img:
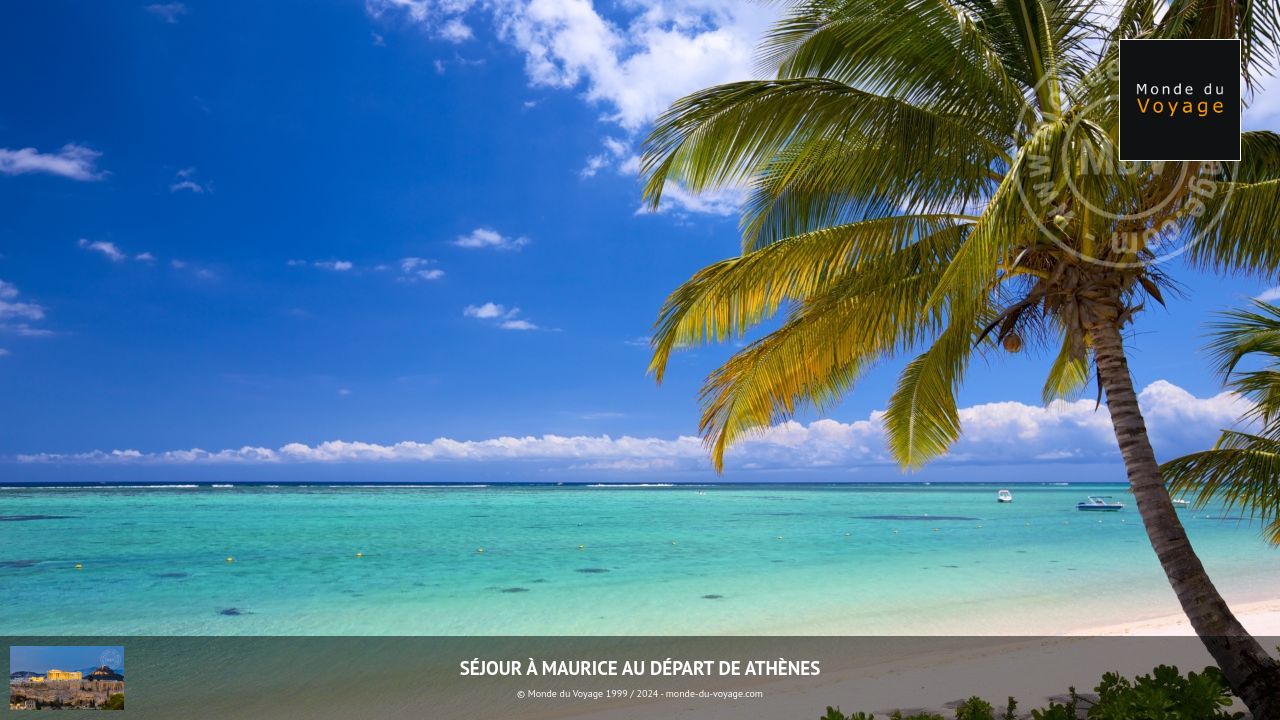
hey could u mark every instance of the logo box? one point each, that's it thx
(1179, 100)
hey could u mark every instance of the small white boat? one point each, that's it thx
(1181, 503)
(1099, 503)
(1004, 496)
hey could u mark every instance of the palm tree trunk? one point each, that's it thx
(1253, 674)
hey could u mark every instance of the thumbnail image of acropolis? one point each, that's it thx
(55, 677)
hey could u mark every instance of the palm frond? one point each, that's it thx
(928, 52)
(727, 298)
(1240, 332)
(1242, 471)
(1259, 157)
(1238, 229)
(1255, 22)
(922, 420)
(1069, 373)
(726, 135)
(819, 184)
(826, 344)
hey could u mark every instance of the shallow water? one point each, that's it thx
(940, 559)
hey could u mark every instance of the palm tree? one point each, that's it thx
(1243, 468)
(939, 177)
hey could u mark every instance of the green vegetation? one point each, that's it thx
(1165, 694)
(1069, 710)
(1242, 469)
(115, 702)
(975, 708)
(939, 179)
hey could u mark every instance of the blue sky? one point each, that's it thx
(42, 658)
(239, 225)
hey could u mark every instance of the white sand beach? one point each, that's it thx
(1260, 618)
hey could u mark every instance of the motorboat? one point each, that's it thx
(1004, 496)
(1181, 503)
(1100, 503)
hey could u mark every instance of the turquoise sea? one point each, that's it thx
(589, 560)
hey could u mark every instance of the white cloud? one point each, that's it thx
(412, 269)
(487, 311)
(595, 164)
(635, 67)
(632, 64)
(442, 18)
(24, 330)
(1269, 295)
(723, 202)
(20, 310)
(1263, 111)
(416, 268)
(378, 40)
(109, 249)
(676, 199)
(335, 265)
(661, 50)
(72, 161)
(616, 147)
(994, 434)
(507, 318)
(114, 253)
(185, 179)
(517, 325)
(455, 31)
(4, 352)
(617, 152)
(170, 12)
(490, 238)
(16, 315)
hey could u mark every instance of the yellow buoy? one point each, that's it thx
(779, 537)
(479, 550)
(582, 547)
(359, 554)
(935, 529)
(230, 559)
(673, 542)
(79, 566)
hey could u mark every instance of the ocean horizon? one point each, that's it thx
(591, 559)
